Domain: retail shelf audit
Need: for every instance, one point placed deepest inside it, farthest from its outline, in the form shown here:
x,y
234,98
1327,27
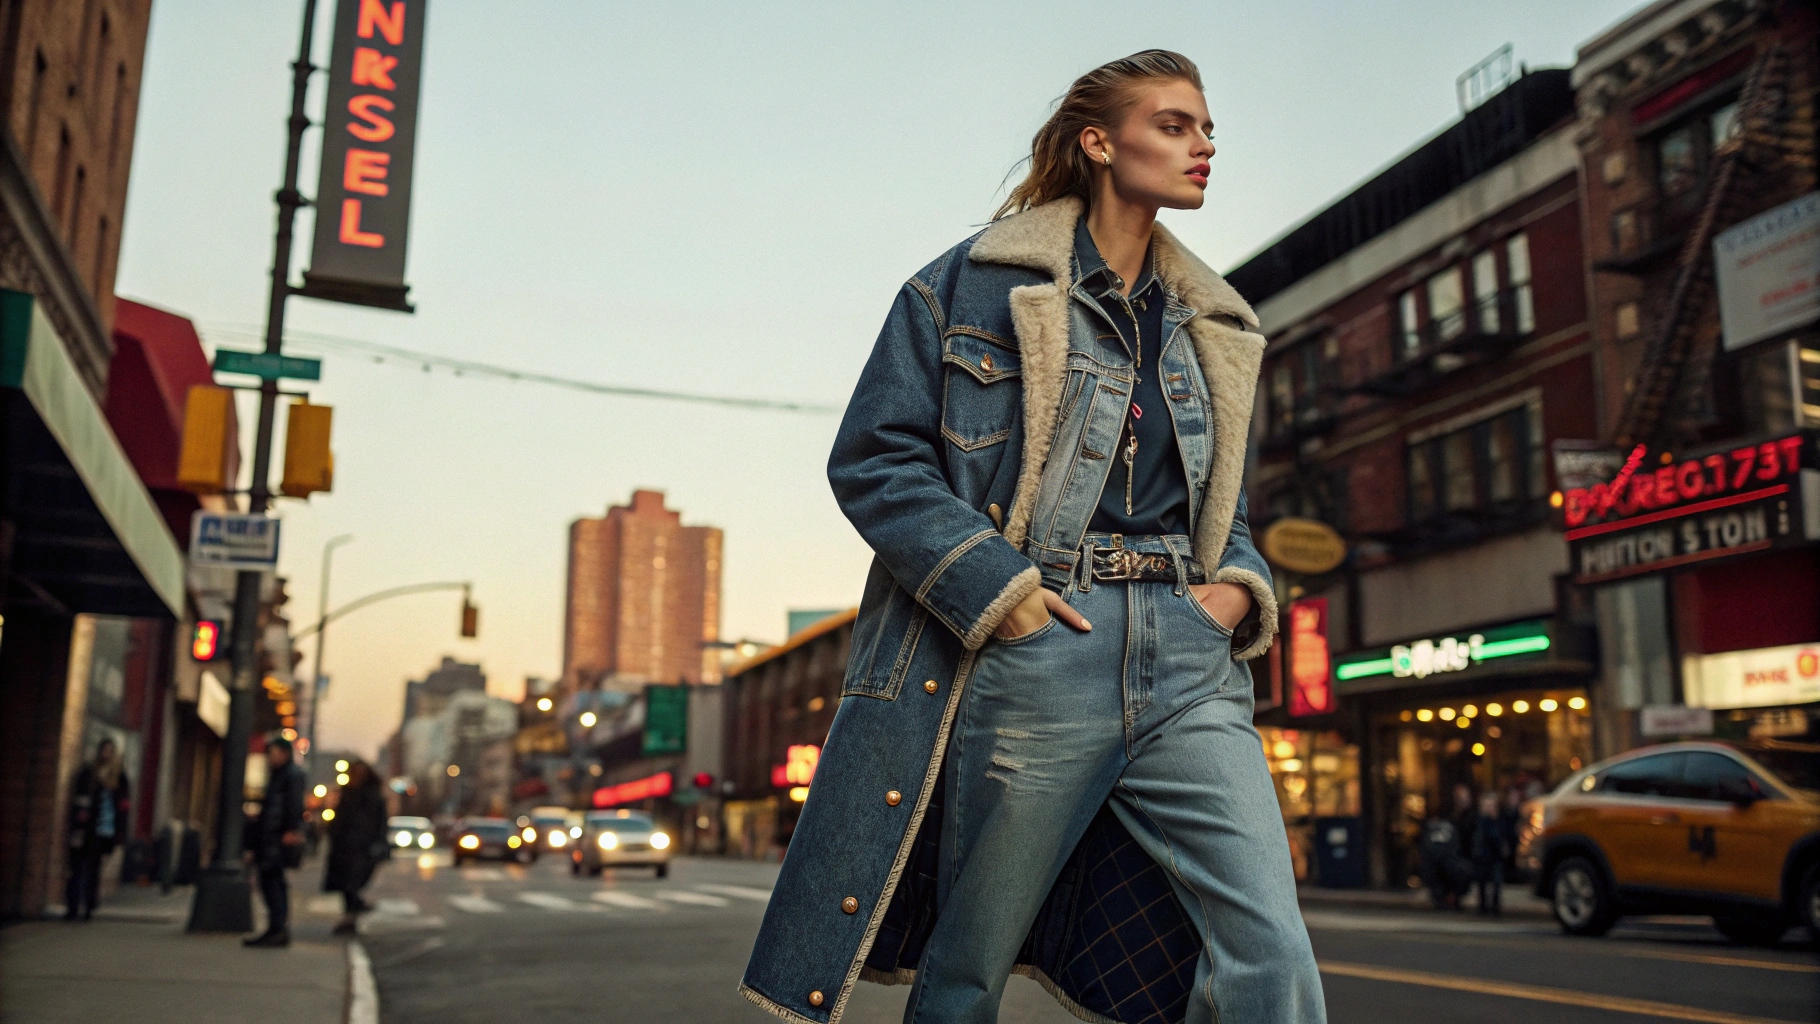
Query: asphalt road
x,y
497,942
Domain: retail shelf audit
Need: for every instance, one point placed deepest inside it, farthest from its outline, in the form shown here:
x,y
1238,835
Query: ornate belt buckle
x,y
1121,564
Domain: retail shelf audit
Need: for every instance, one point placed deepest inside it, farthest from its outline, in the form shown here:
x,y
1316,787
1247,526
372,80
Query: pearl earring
x,y
1106,158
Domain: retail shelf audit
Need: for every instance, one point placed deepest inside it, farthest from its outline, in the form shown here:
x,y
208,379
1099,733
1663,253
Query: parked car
x,y
620,839
409,832
494,838
1687,828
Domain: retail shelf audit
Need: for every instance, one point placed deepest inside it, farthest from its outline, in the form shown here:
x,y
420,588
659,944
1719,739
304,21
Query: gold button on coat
x,y
893,798
815,998
986,363
930,686
850,905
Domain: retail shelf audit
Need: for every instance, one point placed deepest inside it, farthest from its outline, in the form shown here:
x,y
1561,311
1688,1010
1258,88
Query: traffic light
x,y
208,458
309,465
470,619
205,642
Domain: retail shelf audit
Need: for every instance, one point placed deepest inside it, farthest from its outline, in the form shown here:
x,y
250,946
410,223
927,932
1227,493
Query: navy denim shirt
x,y
1158,484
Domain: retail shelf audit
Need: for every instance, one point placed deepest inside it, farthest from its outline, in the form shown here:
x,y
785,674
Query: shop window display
x,y
1438,757
1316,776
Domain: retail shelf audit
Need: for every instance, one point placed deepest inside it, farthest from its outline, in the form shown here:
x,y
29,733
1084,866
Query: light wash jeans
x,y
1149,712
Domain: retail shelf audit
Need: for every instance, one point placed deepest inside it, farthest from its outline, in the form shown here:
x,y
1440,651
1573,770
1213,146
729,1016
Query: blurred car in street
x,y
611,839
1683,828
409,832
552,831
495,838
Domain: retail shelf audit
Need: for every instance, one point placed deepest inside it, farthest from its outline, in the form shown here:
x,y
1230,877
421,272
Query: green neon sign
x,y
1423,658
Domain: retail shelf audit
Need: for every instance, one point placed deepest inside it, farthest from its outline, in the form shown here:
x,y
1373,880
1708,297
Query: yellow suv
x,y
1701,828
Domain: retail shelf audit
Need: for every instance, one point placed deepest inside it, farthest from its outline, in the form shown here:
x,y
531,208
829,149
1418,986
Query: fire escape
x,y
1672,402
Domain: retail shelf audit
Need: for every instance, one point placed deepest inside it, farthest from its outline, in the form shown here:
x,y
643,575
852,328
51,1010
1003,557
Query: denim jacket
x,y
971,459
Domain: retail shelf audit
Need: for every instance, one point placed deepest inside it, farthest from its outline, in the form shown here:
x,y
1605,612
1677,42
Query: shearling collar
x,y
1042,239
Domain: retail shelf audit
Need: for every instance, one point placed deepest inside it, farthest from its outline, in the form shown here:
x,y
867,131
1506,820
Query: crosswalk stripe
x,y
625,900
483,874
475,904
738,892
692,898
551,901
396,907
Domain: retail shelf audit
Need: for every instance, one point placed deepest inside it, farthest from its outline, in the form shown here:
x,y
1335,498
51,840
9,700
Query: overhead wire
x,y
380,353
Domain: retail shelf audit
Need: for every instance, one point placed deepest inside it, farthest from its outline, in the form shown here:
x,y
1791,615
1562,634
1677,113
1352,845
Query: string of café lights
x,y
384,354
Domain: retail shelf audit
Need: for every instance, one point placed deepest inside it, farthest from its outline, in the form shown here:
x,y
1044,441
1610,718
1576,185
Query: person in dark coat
x,y
357,843
1489,848
279,841
97,822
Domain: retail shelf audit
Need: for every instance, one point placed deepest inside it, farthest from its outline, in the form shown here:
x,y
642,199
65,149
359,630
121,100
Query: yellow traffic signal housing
x,y
470,619
205,465
309,466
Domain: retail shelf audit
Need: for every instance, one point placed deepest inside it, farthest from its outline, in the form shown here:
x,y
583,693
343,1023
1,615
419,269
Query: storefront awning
x,y
89,536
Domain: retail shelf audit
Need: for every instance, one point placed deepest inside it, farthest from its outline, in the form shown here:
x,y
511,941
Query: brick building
x,y
1428,341
1697,134
643,599
81,536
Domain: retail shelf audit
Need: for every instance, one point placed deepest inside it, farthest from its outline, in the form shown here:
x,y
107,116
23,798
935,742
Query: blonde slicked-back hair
x,y
1100,98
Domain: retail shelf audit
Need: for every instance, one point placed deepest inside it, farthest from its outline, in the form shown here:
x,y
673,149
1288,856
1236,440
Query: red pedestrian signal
x,y
703,780
205,645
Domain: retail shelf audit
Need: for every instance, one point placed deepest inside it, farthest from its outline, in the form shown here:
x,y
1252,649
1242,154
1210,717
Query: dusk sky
x,y
713,198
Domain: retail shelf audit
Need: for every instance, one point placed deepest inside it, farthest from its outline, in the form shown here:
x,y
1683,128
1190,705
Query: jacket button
x,y
850,905
815,998
930,686
986,363
893,798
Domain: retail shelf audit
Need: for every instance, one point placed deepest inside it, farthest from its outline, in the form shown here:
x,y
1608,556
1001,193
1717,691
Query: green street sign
x,y
267,366
666,720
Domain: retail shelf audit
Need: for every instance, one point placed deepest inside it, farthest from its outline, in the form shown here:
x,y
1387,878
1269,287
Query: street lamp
x,y
322,613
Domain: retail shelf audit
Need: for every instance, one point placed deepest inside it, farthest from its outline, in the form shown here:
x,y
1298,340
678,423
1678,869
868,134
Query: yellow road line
x,y
1539,993
1611,948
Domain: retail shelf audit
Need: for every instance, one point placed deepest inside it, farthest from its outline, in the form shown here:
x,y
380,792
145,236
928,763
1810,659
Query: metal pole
x,y
322,637
223,901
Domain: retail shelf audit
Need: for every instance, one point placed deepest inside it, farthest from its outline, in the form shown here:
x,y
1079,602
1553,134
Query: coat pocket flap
x,y
986,361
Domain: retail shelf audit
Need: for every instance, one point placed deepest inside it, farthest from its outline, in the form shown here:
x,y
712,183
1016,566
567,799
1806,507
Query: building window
x,y
1485,291
1446,305
1495,462
1407,327
1299,383
1522,297
1725,124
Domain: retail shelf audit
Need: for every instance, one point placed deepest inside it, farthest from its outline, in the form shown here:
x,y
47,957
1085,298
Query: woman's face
x,y
1160,153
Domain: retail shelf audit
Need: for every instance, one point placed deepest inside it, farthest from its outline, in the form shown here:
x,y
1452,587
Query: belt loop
x,y
1181,567
1086,567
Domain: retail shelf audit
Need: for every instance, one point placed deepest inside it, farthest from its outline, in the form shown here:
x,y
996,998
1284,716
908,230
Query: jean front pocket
x,y
1024,638
1206,616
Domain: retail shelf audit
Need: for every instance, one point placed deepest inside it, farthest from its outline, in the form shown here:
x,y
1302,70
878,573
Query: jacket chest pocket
x,y
981,391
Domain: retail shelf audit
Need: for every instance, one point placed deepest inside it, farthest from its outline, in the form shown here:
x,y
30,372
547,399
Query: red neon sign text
x,y
1635,492
646,788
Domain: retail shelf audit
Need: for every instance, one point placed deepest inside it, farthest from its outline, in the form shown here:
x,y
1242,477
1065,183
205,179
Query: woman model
x,y
357,842
1044,760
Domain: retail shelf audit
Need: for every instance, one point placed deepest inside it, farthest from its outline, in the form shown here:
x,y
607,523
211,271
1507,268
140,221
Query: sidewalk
x,y
1519,902
134,962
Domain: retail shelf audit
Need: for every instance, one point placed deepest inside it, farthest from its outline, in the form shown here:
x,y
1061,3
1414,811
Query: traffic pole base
x,y
223,902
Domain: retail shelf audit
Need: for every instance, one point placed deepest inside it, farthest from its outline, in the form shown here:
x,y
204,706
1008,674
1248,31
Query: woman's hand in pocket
x,y
1228,603
1035,611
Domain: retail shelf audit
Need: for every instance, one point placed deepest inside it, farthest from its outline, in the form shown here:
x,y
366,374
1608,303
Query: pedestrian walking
x,y
1045,452
278,841
99,800
1438,853
1489,848
357,843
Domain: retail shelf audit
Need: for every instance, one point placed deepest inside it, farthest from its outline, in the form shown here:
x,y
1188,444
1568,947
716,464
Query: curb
x,y
1369,899
363,991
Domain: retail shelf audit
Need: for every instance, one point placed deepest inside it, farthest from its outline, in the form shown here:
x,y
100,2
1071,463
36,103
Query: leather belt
x,y
1142,566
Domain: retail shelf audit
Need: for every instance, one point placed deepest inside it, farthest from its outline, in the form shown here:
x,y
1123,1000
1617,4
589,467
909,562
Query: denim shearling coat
x,y
970,459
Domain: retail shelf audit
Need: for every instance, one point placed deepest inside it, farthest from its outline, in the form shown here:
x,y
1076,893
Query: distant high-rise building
x,y
428,696
643,599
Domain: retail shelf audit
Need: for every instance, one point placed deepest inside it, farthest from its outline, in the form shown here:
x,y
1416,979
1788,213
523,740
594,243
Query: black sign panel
x,y
363,191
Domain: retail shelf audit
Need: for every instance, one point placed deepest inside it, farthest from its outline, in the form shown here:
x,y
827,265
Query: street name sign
x,y
234,540
267,365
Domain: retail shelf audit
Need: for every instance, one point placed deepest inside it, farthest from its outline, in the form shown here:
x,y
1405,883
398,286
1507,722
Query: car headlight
x,y
558,837
426,840
470,842
608,841
574,831
513,842
402,839
659,841
530,834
